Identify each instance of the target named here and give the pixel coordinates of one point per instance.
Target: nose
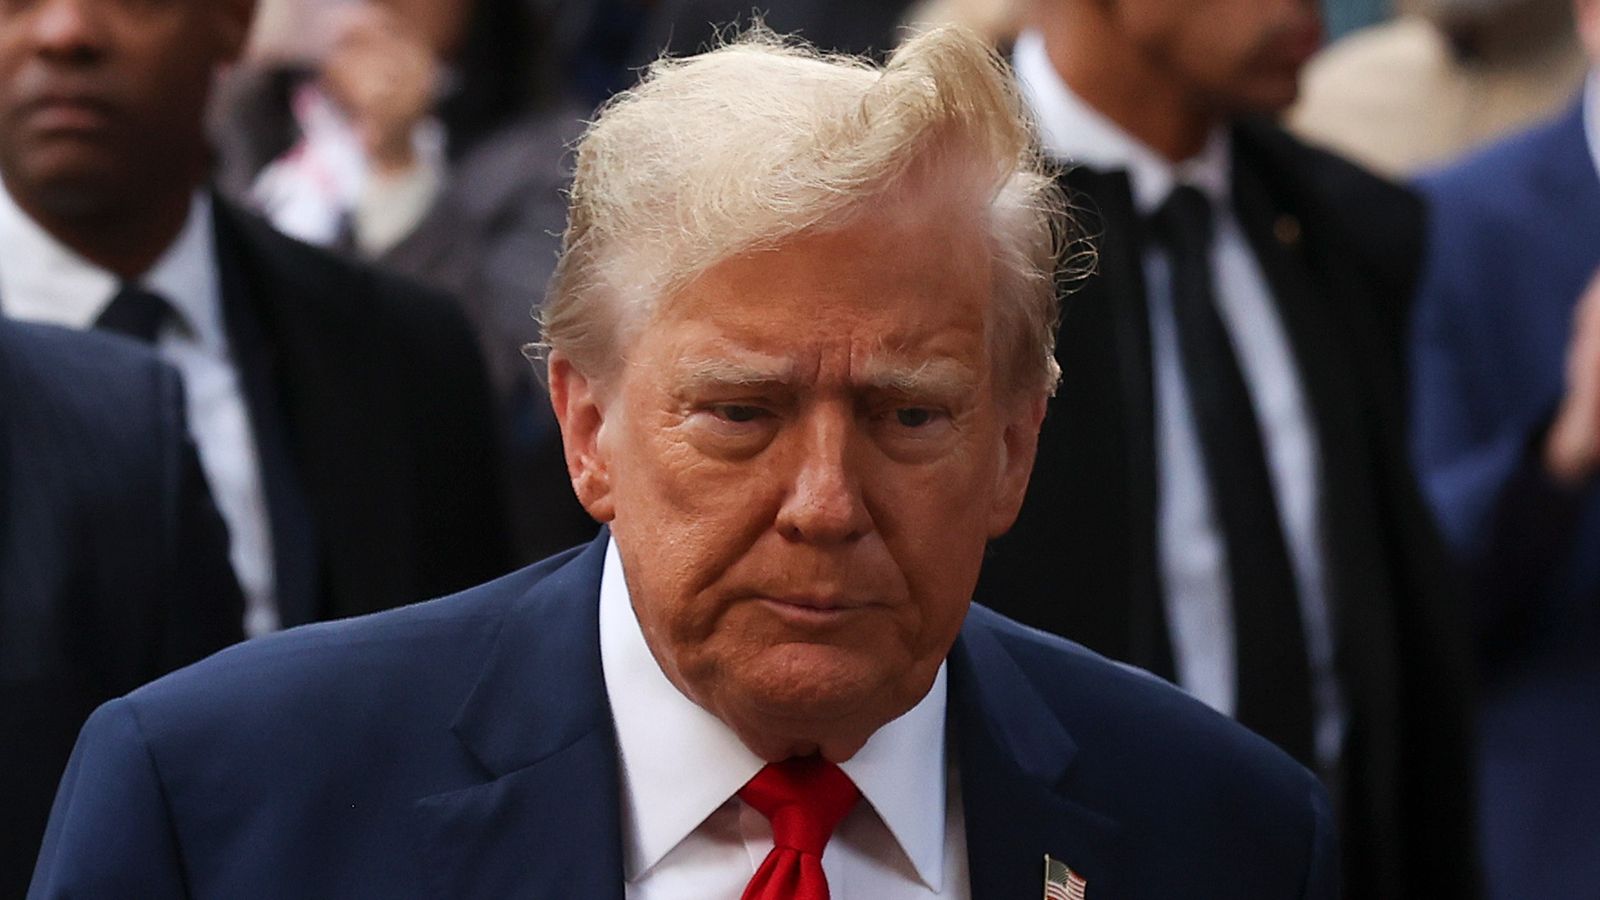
(825, 504)
(69, 30)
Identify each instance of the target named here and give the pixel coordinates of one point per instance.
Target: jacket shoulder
(370, 662)
(79, 370)
(315, 278)
(1143, 742)
(1496, 183)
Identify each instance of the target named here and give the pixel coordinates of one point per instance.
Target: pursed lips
(67, 111)
(814, 609)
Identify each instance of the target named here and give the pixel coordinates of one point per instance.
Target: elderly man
(800, 343)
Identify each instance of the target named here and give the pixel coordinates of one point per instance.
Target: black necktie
(1274, 679)
(135, 312)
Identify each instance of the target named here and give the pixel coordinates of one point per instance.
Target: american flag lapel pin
(1060, 882)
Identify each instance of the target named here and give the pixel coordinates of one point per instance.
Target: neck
(1096, 60)
(123, 241)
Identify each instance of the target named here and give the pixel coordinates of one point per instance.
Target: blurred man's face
(441, 23)
(1587, 13)
(802, 458)
(100, 98)
(1240, 56)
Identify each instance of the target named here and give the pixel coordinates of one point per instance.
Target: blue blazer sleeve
(1477, 438)
(110, 832)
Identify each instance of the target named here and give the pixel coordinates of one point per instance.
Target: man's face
(103, 98)
(441, 23)
(1239, 56)
(1587, 14)
(802, 458)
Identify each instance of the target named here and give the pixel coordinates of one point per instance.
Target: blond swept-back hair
(739, 148)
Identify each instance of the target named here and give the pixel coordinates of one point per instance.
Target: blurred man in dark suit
(342, 417)
(1222, 493)
(113, 561)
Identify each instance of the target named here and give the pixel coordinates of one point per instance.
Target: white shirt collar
(43, 280)
(1591, 117)
(680, 763)
(1073, 131)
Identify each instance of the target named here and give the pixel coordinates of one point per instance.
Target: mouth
(68, 114)
(813, 611)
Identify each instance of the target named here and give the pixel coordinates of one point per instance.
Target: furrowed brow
(934, 377)
(704, 373)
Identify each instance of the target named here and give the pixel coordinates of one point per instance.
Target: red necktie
(804, 798)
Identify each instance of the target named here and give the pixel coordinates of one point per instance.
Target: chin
(74, 190)
(822, 683)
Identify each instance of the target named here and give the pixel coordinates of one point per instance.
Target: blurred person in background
(113, 560)
(428, 137)
(1222, 478)
(996, 21)
(1445, 77)
(342, 416)
(1507, 438)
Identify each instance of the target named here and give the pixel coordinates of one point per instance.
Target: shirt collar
(1591, 117)
(1073, 131)
(42, 279)
(680, 763)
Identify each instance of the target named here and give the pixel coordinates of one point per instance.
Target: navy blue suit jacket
(1514, 240)
(113, 561)
(464, 748)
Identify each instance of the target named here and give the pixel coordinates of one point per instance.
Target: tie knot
(135, 312)
(805, 799)
(1184, 219)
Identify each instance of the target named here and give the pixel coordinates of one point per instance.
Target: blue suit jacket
(464, 748)
(1515, 239)
(113, 562)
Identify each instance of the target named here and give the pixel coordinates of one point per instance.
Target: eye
(914, 416)
(738, 413)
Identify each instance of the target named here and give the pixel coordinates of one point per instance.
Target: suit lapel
(1326, 311)
(314, 372)
(292, 524)
(545, 822)
(1013, 756)
(1104, 417)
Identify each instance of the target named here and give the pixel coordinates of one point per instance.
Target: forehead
(896, 289)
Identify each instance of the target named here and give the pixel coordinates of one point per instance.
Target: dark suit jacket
(1511, 249)
(1338, 249)
(113, 562)
(372, 417)
(490, 241)
(464, 748)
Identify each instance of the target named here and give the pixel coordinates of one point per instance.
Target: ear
(230, 22)
(580, 409)
(1019, 444)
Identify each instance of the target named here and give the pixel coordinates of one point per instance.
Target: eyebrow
(699, 373)
(932, 377)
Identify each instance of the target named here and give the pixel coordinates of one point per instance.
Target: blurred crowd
(365, 422)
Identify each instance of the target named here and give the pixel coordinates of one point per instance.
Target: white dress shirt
(687, 836)
(42, 280)
(1192, 550)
